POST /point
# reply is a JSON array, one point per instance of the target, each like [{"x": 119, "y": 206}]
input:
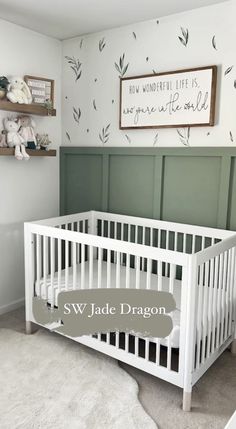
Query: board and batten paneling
[{"x": 187, "y": 185}]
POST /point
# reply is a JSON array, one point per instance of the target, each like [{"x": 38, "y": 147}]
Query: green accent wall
[{"x": 187, "y": 185}]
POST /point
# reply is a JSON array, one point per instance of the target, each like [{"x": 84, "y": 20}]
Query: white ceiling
[{"x": 63, "y": 19}]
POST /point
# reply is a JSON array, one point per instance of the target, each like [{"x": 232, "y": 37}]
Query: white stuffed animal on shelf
[
  {"x": 18, "y": 91},
  {"x": 15, "y": 140}
]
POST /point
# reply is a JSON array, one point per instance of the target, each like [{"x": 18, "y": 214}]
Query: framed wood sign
[
  {"x": 42, "y": 89},
  {"x": 181, "y": 98}
]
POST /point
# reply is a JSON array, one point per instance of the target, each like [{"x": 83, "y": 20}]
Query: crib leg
[
  {"x": 233, "y": 347},
  {"x": 187, "y": 401},
  {"x": 28, "y": 327}
]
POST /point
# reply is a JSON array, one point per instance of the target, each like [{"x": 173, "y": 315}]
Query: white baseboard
[{"x": 12, "y": 306}]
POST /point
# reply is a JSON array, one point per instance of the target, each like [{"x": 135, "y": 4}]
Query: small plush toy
[
  {"x": 26, "y": 131},
  {"x": 3, "y": 139},
  {"x": 43, "y": 141},
  {"x": 18, "y": 91},
  {"x": 15, "y": 140}
]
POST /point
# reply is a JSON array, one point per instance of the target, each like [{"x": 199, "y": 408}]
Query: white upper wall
[
  {"x": 148, "y": 46},
  {"x": 29, "y": 190}
]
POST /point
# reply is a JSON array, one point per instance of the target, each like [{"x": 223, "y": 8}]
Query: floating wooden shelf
[
  {"x": 33, "y": 109},
  {"x": 7, "y": 151}
]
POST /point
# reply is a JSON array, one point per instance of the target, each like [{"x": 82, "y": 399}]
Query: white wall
[
  {"x": 29, "y": 190},
  {"x": 154, "y": 46}
]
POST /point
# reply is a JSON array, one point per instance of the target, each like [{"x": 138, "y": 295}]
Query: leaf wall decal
[
  {"x": 68, "y": 136},
  {"x": 105, "y": 134},
  {"x": 214, "y": 42},
  {"x": 228, "y": 70},
  {"x": 75, "y": 65},
  {"x": 121, "y": 67},
  {"x": 101, "y": 44},
  {"x": 128, "y": 138},
  {"x": 184, "y": 136},
  {"x": 94, "y": 104},
  {"x": 231, "y": 137},
  {"x": 185, "y": 36},
  {"x": 134, "y": 35},
  {"x": 76, "y": 114},
  {"x": 155, "y": 139}
]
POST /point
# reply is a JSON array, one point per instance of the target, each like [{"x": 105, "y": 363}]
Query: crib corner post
[
  {"x": 29, "y": 282},
  {"x": 190, "y": 283},
  {"x": 187, "y": 398},
  {"x": 28, "y": 327},
  {"x": 233, "y": 347}
]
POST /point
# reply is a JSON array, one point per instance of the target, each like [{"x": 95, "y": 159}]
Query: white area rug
[{"x": 50, "y": 382}]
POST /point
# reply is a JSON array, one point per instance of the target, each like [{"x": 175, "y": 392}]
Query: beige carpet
[{"x": 50, "y": 382}]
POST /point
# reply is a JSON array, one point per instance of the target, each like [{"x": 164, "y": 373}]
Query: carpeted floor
[{"x": 214, "y": 396}]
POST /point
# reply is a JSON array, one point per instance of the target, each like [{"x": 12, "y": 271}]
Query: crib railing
[
  {"x": 63, "y": 254},
  {"x": 62, "y": 259}
]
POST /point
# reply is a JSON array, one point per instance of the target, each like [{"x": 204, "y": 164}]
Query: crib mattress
[{"x": 40, "y": 289}]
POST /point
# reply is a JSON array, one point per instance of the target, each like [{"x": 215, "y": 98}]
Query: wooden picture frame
[
  {"x": 42, "y": 90},
  {"x": 174, "y": 99}
]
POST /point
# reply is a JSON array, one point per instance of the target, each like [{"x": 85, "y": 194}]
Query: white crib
[{"x": 103, "y": 250}]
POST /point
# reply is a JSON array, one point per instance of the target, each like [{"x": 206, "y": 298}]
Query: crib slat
[
  {"x": 45, "y": 266},
  {"x": 223, "y": 298},
  {"x": 219, "y": 298},
  {"x": 66, "y": 264},
  {"x": 149, "y": 265},
  {"x": 199, "y": 317},
  {"x": 193, "y": 243},
  {"x": 108, "y": 268},
  {"x": 171, "y": 290},
  {"x": 59, "y": 264},
  {"x": 74, "y": 264},
  {"x": 118, "y": 259},
  {"x": 90, "y": 267},
  {"x": 210, "y": 307},
  {"x": 232, "y": 273},
  {"x": 52, "y": 269},
  {"x": 227, "y": 295},
  {"x": 99, "y": 267},
  {"x": 127, "y": 283},
  {"x": 38, "y": 263},
  {"x": 214, "y": 310},
  {"x": 205, "y": 306}
]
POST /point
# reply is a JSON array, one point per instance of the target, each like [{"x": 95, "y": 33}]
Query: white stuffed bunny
[
  {"x": 18, "y": 91},
  {"x": 15, "y": 140}
]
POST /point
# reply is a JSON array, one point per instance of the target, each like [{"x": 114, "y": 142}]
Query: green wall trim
[{"x": 189, "y": 185}]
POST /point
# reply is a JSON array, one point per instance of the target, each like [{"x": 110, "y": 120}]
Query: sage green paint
[
  {"x": 131, "y": 185},
  {"x": 188, "y": 185},
  {"x": 191, "y": 189},
  {"x": 83, "y": 183}
]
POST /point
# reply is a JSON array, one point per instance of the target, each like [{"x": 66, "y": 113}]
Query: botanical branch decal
[
  {"x": 214, "y": 42},
  {"x": 235, "y": 83},
  {"x": 94, "y": 104},
  {"x": 122, "y": 67},
  {"x": 231, "y": 137},
  {"x": 128, "y": 138},
  {"x": 101, "y": 44},
  {"x": 134, "y": 35},
  {"x": 155, "y": 139},
  {"x": 68, "y": 136},
  {"x": 76, "y": 114},
  {"x": 185, "y": 36},
  {"x": 75, "y": 65},
  {"x": 228, "y": 70},
  {"x": 184, "y": 136},
  {"x": 105, "y": 134}
]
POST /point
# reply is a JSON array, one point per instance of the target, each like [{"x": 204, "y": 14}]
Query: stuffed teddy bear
[
  {"x": 18, "y": 91},
  {"x": 15, "y": 140},
  {"x": 3, "y": 139},
  {"x": 26, "y": 131}
]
